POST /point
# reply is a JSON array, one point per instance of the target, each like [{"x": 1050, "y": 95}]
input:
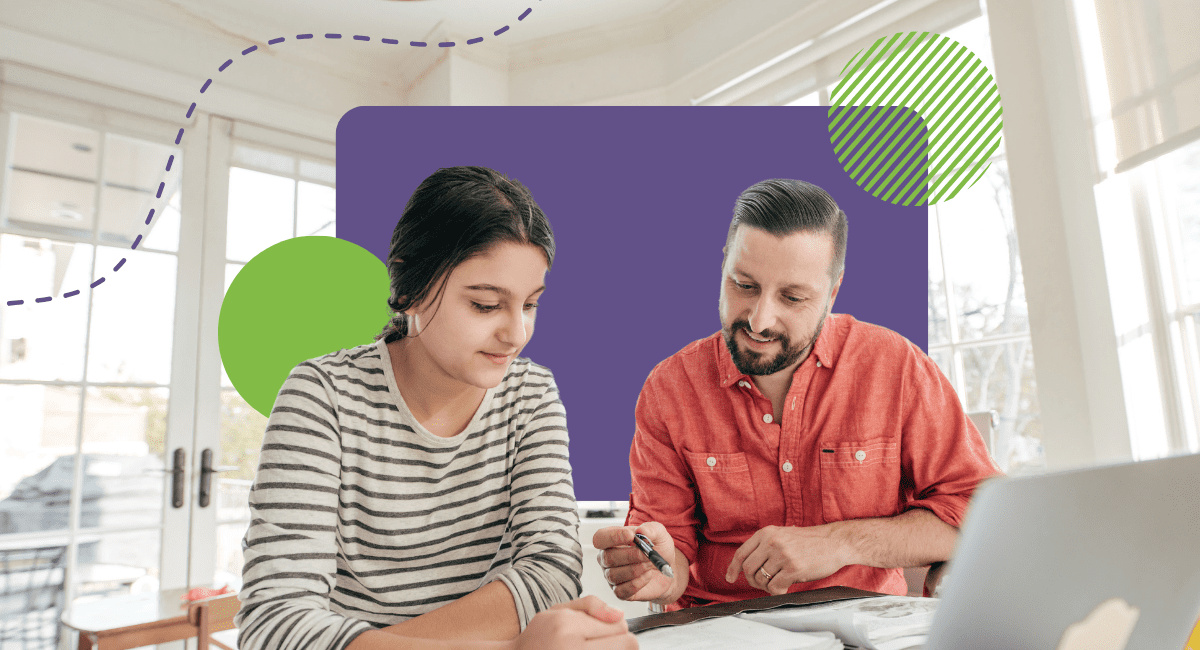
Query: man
[{"x": 795, "y": 449}]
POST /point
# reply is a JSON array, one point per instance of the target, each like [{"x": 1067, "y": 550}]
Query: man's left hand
[{"x": 777, "y": 557}]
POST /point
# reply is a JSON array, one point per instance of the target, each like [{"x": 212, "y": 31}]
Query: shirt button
[
  {"x": 713, "y": 461},
  {"x": 818, "y": 364},
  {"x": 860, "y": 454},
  {"x": 743, "y": 384},
  {"x": 787, "y": 467},
  {"x": 767, "y": 418}
]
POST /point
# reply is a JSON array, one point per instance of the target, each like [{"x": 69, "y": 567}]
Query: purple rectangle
[{"x": 640, "y": 200}]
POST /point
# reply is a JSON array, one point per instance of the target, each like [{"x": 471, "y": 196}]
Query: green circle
[
  {"x": 915, "y": 118},
  {"x": 299, "y": 299}
]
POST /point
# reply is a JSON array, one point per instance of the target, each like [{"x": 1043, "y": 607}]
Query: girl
[{"x": 419, "y": 487}]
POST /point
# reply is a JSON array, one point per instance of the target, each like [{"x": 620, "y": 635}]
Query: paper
[
  {"x": 731, "y": 633},
  {"x": 884, "y": 623}
]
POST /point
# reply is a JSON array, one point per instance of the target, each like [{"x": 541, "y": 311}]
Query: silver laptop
[{"x": 1079, "y": 553}]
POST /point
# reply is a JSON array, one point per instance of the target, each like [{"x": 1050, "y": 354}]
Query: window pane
[
  {"x": 980, "y": 247},
  {"x": 1180, "y": 174},
  {"x": 124, "y": 430},
  {"x": 939, "y": 324},
  {"x": 124, "y": 348},
  {"x": 50, "y": 204},
  {"x": 242, "y": 430},
  {"x": 266, "y": 160},
  {"x": 114, "y": 563},
  {"x": 40, "y": 426},
  {"x": 318, "y": 171},
  {"x": 133, "y": 170},
  {"x": 1143, "y": 397},
  {"x": 164, "y": 233},
  {"x": 229, "y": 555},
  {"x": 43, "y": 341},
  {"x": 260, "y": 212},
  {"x": 56, "y": 148},
  {"x": 1001, "y": 378},
  {"x": 314, "y": 210}
]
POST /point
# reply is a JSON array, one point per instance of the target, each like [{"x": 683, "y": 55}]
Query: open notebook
[{"x": 729, "y": 632}]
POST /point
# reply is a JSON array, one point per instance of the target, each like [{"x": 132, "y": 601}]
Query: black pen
[{"x": 644, "y": 545}]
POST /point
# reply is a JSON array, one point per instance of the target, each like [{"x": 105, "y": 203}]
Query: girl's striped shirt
[{"x": 362, "y": 518}]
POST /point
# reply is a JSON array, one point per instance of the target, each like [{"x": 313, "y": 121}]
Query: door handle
[
  {"x": 206, "y": 473},
  {"x": 177, "y": 476}
]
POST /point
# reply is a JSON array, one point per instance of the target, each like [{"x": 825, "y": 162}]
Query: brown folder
[{"x": 813, "y": 597}]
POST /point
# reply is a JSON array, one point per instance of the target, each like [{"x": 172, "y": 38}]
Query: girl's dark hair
[{"x": 454, "y": 215}]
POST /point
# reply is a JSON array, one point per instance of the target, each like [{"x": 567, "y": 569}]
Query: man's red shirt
[{"x": 870, "y": 428}]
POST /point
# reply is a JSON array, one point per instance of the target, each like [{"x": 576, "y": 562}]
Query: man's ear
[{"x": 837, "y": 285}]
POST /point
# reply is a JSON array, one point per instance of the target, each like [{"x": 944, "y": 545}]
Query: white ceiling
[{"x": 411, "y": 20}]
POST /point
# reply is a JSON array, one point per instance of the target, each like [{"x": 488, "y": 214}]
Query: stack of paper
[
  {"x": 884, "y": 623},
  {"x": 729, "y": 633}
]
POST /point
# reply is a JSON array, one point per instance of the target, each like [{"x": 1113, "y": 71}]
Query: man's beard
[{"x": 753, "y": 363}]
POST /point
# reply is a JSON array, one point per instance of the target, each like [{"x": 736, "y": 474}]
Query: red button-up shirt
[{"x": 870, "y": 428}]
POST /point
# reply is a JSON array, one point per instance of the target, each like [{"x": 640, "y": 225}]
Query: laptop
[{"x": 1099, "y": 554}]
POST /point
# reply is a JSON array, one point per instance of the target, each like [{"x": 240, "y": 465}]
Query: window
[
  {"x": 79, "y": 379},
  {"x": 1140, "y": 70},
  {"x": 273, "y": 196}
]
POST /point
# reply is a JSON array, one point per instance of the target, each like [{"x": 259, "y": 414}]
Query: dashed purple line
[{"x": 191, "y": 110}]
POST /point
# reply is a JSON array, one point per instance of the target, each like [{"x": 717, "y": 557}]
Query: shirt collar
[{"x": 823, "y": 352}]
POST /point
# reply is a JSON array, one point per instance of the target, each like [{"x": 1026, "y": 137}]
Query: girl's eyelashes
[{"x": 484, "y": 309}]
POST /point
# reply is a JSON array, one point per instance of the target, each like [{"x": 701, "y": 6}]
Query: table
[{"x": 134, "y": 620}]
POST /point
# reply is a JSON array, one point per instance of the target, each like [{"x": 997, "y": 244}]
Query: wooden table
[{"x": 135, "y": 620}]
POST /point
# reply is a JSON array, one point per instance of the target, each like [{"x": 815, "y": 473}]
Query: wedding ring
[{"x": 764, "y": 572}]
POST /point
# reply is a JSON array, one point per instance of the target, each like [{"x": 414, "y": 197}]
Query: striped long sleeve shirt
[{"x": 361, "y": 518}]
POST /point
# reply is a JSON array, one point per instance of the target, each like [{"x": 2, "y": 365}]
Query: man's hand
[
  {"x": 584, "y": 624},
  {"x": 631, "y": 574},
  {"x": 777, "y": 557}
]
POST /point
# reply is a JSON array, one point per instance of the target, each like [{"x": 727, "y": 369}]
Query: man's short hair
[{"x": 781, "y": 207}]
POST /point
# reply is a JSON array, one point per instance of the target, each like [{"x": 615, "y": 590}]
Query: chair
[{"x": 31, "y": 596}]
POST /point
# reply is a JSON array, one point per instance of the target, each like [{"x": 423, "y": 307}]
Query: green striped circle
[{"x": 915, "y": 118}]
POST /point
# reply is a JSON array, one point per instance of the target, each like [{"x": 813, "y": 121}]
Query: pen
[{"x": 644, "y": 545}]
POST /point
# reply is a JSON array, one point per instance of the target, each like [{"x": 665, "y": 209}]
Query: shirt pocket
[
  {"x": 860, "y": 478},
  {"x": 726, "y": 490}
]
